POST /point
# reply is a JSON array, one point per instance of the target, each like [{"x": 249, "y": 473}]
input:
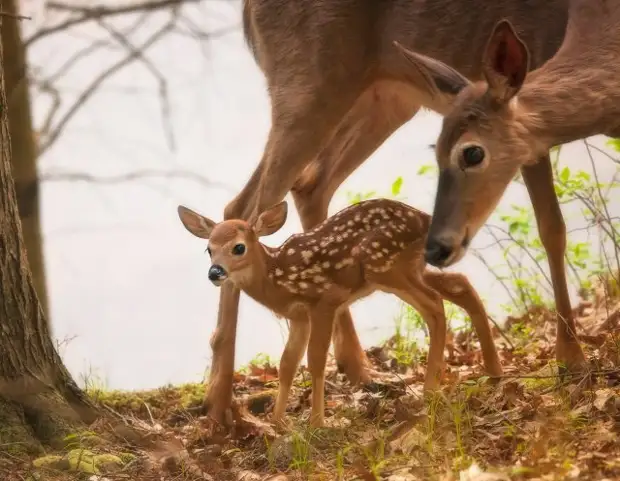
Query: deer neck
[
  {"x": 259, "y": 285},
  {"x": 576, "y": 94}
]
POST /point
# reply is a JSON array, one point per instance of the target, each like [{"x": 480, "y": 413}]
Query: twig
[
  {"x": 14, "y": 15},
  {"x": 501, "y": 331},
  {"x": 86, "y": 14},
  {"x": 130, "y": 177},
  {"x": 91, "y": 89},
  {"x": 159, "y": 78}
]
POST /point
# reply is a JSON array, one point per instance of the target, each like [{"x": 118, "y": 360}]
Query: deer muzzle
[
  {"x": 447, "y": 240},
  {"x": 217, "y": 274}
]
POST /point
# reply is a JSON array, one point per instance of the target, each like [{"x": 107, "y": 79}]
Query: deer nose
[
  {"x": 437, "y": 252},
  {"x": 217, "y": 273}
]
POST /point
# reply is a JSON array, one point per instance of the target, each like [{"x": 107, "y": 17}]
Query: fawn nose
[
  {"x": 437, "y": 252},
  {"x": 217, "y": 274}
]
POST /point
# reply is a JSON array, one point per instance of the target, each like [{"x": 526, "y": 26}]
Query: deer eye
[
  {"x": 238, "y": 250},
  {"x": 209, "y": 251},
  {"x": 473, "y": 156}
]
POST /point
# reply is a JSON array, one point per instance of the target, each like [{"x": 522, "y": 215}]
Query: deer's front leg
[
  {"x": 552, "y": 229},
  {"x": 457, "y": 289},
  {"x": 296, "y": 344},
  {"x": 321, "y": 325}
]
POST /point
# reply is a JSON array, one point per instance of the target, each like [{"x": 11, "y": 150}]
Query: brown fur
[
  {"x": 375, "y": 245},
  {"x": 516, "y": 117},
  {"x": 338, "y": 89}
]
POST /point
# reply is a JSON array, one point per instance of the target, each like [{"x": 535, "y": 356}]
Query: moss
[
  {"x": 83, "y": 439},
  {"x": 108, "y": 463},
  {"x": 51, "y": 462},
  {"x": 127, "y": 457},
  {"x": 159, "y": 401},
  {"x": 84, "y": 461}
]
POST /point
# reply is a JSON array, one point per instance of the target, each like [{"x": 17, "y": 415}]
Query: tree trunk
[
  {"x": 24, "y": 148},
  {"x": 39, "y": 401}
]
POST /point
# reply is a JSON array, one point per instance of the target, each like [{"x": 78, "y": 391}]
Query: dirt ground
[{"x": 531, "y": 425}]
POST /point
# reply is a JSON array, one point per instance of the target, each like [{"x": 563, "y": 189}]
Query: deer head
[
  {"x": 482, "y": 144},
  {"x": 234, "y": 248}
]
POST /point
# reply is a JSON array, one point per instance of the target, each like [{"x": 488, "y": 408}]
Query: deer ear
[
  {"x": 506, "y": 62},
  {"x": 437, "y": 77},
  {"x": 271, "y": 220},
  {"x": 197, "y": 224}
]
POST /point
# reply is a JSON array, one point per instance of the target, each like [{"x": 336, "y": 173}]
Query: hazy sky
[{"x": 125, "y": 278}]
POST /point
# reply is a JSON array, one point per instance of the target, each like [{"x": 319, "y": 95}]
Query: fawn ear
[
  {"x": 271, "y": 220},
  {"x": 197, "y": 224},
  {"x": 505, "y": 62},
  {"x": 436, "y": 77}
]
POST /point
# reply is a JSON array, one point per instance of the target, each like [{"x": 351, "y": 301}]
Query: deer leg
[
  {"x": 296, "y": 344},
  {"x": 218, "y": 396},
  {"x": 411, "y": 289},
  {"x": 430, "y": 306},
  {"x": 321, "y": 328},
  {"x": 300, "y": 129},
  {"x": 371, "y": 120},
  {"x": 552, "y": 230},
  {"x": 457, "y": 289},
  {"x": 302, "y": 123}
]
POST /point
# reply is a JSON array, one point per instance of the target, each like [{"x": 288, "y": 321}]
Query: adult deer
[
  {"x": 511, "y": 118},
  {"x": 375, "y": 245},
  {"x": 338, "y": 89}
]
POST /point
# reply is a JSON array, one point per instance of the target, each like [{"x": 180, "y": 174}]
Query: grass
[{"x": 529, "y": 426}]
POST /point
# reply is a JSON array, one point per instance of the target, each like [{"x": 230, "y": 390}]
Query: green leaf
[
  {"x": 565, "y": 175},
  {"x": 425, "y": 169},
  {"x": 397, "y": 186},
  {"x": 614, "y": 144}
]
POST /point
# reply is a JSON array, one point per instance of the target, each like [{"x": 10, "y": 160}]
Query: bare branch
[
  {"x": 159, "y": 78},
  {"x": 94, "y": 85},
  {"x": 132, "y": 177},
  {"x": 49, "y": 89},
  {"x": 15, "y": 16},
  {"x": 82, "y": 14}
]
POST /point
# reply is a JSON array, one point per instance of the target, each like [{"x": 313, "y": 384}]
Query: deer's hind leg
[
  {"x": 457, "y": 289},
  {"x": 376, "y": 114}
]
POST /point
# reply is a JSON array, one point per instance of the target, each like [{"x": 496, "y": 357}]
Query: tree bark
[
  {"x": 24, "y": 148},
  {"x": 39, "y": 401}
]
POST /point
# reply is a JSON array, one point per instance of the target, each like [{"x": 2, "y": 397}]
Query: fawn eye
[
  {"x": 238, "y": 250},
  {"x": 209, "y": 251},
  {"x": 473, "y": 156}
]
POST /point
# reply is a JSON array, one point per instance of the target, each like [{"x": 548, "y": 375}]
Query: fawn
[{"x": 375, "y": 245}]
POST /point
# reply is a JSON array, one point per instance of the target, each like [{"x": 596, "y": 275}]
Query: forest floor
[{"x": 529, "y": 426}]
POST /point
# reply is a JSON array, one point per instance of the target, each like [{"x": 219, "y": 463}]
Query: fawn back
[{"x": 326, "y": 259}]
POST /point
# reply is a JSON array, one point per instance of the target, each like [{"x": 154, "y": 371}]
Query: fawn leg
[
  {"x": 430, "y": 306},
  {"x": 321, "y": 327},
  {"x": 296, "y": 344},
  {"x": 376, "y": 114},
  {"x": 302, "y": 123},
  {"x": 457, "y": 289},
  {"x": 552, "y": 229}
]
